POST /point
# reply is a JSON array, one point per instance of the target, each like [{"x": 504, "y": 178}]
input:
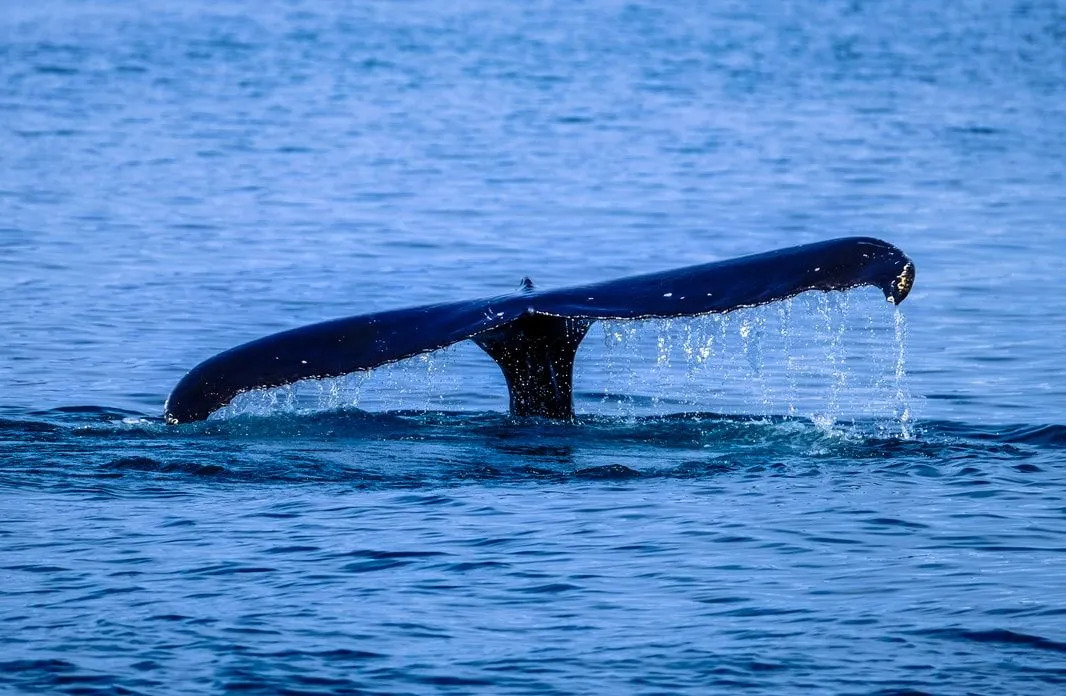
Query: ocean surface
[{"x": 824, "y": 495}]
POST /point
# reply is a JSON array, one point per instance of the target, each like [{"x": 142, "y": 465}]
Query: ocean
[{"x": 827, "y": 494}]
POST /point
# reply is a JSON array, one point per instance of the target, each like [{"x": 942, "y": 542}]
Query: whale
[{"x": 532, "y": 334}]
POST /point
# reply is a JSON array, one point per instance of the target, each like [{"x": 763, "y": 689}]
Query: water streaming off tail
[
  {"x": 902, "y": 392},
  {"x": 456, "y": 378},
  {"x": 822, "y": 356}
]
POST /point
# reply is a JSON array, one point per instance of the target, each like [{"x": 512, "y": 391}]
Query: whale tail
[
  {"x": 536, "y": 354},
  {"x": 534, "y": 335}
]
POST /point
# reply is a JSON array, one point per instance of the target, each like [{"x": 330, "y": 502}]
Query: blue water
[{"x": 827, "y": 495}]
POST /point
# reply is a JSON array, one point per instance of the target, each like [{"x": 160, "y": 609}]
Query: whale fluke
[{"x": 533, "y": 335}]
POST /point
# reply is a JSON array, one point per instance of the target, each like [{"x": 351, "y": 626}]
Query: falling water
[
  {"x": 903, "y": 397},
  {"x": 819, "y": 356}
]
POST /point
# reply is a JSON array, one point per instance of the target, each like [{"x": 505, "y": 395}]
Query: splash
[
  {"x": 301, "y": 397},
  {"x": 425, "y": 382},
  {"x": 831, "y": 312},
  {"x": 818, "y": 356}
]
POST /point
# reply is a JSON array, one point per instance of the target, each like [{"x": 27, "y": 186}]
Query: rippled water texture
[{"x": 826, "y": 495}]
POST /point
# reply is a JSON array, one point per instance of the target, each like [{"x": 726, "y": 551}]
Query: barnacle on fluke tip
[{"x": 902, "y": 287}]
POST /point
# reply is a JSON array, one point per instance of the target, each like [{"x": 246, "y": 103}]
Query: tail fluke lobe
[
  {"x": 329, "y": 349},
  {"x": 748, "y": 281}
]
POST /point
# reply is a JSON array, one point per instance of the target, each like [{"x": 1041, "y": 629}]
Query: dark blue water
[{"x": 826, "y": 495}]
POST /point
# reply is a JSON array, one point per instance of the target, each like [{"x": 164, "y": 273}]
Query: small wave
[
  {"x": 1041, "y": 435},
  {"x": 87, "y": 413},
  {"x": 997, "y": 636},
  {"x": 607, "y": 471},
  {"x": 27, "y": 426},
  {"x": 1050, "y": 436},
  {"x": 146, "y": 464}
]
